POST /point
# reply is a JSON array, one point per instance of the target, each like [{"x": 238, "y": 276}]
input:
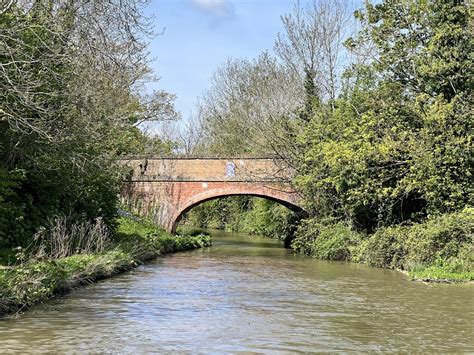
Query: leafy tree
[
  {"x": 398, "y": 145},
  {"x": 70, "y": 101}
]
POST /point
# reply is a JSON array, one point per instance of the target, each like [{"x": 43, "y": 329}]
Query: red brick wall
[
  {"x": 169, "y": 187},
  {"x": 208, "y": 169}
]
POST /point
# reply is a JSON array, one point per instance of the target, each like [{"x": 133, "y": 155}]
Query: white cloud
[{"x": 217, "y": 8}]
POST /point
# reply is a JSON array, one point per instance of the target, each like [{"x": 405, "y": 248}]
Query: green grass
[
  {"x": 437, "y": 274},
  {"x": 451, "y": 270},
  {"x": 135, "y": 242},
  {"x": 127, "y": 227}
]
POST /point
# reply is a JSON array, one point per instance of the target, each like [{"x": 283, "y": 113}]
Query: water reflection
[{"x": 249, "y": 294}]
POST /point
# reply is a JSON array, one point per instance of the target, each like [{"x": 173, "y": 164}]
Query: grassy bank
[
  {"x": 30, "y": 282},
  {"x": 438, "y": 250}
]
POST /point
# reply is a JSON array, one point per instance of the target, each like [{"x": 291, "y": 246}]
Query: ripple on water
[{"x": 249, "y": 295}]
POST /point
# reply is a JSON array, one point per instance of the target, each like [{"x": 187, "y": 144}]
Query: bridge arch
[
  {"x": 285, "y": 198},
  {"x": 166, "y": 188}
]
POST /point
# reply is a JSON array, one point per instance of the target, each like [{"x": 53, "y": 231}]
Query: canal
[{"x": 248, "y": 294}]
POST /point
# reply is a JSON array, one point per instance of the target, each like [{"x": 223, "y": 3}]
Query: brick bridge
[{"x": 166, "y": 188}]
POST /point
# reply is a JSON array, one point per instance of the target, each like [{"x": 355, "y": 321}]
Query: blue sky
[{"x": 202, "y": 34}]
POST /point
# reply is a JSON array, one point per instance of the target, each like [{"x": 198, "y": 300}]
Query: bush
[
  {"x": 191, "y": 232},
  {"x": 169, "y": 244},
  {"x": 385, "y": 248},
  {"x": 443, "y": 238},
  {"x": 14, "y": 222},
  {"x": 331, "y": 242},
  {"x": 268, "y": 219},
  {"x": 440, "y": 249}
]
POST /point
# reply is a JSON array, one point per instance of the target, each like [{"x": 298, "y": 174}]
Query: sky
[{"x": 200, "y": 35}]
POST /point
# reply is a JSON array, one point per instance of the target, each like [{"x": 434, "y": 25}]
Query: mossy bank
[{"x": 30, "y": 282}]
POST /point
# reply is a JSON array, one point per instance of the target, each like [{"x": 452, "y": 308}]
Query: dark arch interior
[{"x": 289, "y": 205}]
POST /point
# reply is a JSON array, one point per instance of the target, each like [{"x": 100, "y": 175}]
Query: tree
[
  {"x": 312, "y": 47},
  {"x": 261, "y": 106},
  {"x": 70, "y": 79},
  {"x": 397, "y": 146},
  {"x": 251, "y": 107}
]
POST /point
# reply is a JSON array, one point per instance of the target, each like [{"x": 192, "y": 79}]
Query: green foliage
[
  {"x": 191, "y": 232},
  {"x": 48, "y": 165},
  {"x": 385, "y": 248},
  {"x": 184, "y": 242},
  {"x": 331, "y": 242},
  {"x": 245, "y": 214},
  {"x": 268, "y": 219},
  {"x": 397, "y": 145},
  {"x": 440, "y": 248},
  {"x": 442, "y": 238},
  {"x": 140, "y": 228},
  {"x": 12, "y": 208},
  {"x": 28, "y": 283},
  {"x": 217, "y": 213},
  {"x": 451, "y": 270},
  {"x": 423, "y": 45},
  {"x": 29, "y": 197},
  {"x": 145, "y": 240},
  {"x": 68, "y": 111}
]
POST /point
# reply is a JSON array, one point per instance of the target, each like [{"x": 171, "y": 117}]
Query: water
[{"x": 248, "y": 294}]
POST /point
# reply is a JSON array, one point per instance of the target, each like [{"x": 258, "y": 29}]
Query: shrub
[
  {"x": 192, "y": 232},
  {"x": 441, "y": 238},
  {"x": 385, "y": 248},
  {"x": 331, "y": 242},
  {"x": 15, "y": 226},
  {"x": 441, "y": 247},
  {"x": 445, "y": 237}
]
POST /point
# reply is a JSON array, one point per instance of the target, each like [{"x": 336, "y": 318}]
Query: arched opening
[{"x": 253, "y": 213}]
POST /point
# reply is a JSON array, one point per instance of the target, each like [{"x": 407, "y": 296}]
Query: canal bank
[
  {"x": 248, "y": 294},
  {"x": 33, "y": 281},
  {"x": 439, "y": 249}
]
